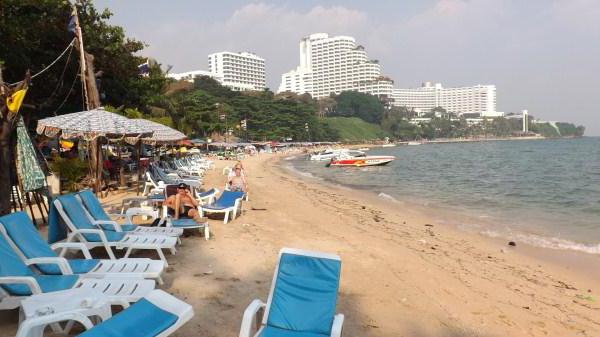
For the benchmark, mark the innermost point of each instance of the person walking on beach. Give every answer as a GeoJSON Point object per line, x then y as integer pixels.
{"type": "Point", "coordinates": [237, 181]}
{"type": "Point", "coordinates": [183, 204]}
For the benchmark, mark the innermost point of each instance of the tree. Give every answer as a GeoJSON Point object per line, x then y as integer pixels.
{"type": "Point", "coordinates": [8, 141]}
{"type": "Point", "coordinates": [356, 104]}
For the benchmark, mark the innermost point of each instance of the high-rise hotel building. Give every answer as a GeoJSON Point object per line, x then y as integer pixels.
{"type": "Point", "coordinates": [239, 71]}
{"type": "Point", "coordinates": [332, 65]}
{"type": "Point", "coordinates": [479, 99]}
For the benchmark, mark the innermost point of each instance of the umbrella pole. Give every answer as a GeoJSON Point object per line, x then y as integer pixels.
{"type": "Point", "coordinates": [139, 166]}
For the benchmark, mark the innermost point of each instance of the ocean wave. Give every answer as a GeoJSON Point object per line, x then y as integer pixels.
{"type": "Point", "coordinates": [546, 242]}
{"type": "Point", "coordinates": [386, 197]}
{"type": "Point", "coordinates": [302, 173]}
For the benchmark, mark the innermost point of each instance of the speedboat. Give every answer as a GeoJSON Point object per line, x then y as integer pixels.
{"type": "Point", "coordinates": [414, 143]}
{"type": "Point", "coordinates": [361, 161]}
{"type": "Point", "coordinates": [331, 153]}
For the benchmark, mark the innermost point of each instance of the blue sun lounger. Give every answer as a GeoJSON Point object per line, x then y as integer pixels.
{"type": "Point", "coordinates": [302, 299]}
{"type": "Point", "coordinates": [82, 229]}
{"type": "Point", "coordinates": [21, 235]}
{"type": "Point", "coordinates": [18, 281]}
{"type": "Point", "coordinates": [98, 216]}
{"type": "Point", "coordinates": [158, 314]}
{"type": "Point", "coordinates": [228, 202]}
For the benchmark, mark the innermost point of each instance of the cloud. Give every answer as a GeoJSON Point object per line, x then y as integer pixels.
{"type": "Point", "coordinates": [541, 54]}
{"type": "Point", "coordinates": [271, 31]}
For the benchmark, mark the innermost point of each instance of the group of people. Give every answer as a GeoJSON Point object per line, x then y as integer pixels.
{"type": "Point", "coordinates": [184, 204]}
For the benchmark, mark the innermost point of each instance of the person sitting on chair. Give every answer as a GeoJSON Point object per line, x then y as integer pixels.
{"type": "Point", "coordinates": [183, 204]}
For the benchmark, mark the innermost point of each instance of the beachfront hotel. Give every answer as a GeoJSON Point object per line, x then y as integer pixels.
{"type": "Point", "coordinates": [478, 99]}
{"type": "Point", "coordinates": [238, 71]}
{"type": "Point", "coordinates": [332, 65]}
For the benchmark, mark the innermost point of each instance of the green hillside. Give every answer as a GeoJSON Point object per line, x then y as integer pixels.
{"type": "Point", "coordinates": [353, 129]}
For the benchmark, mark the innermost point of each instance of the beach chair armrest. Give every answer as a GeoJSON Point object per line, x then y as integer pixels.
{"type": "Point", "coordinates": [29, 281]}
{"type": "Point", "coordinates": [65, 246]}
{"type": "Point", "coordinates": [252, 318]}
{"type": "Point", "coordinates": [102, 236]}
{"type": "Point", "coordinates": [337, 326]}
{"type": "Point", "coordinates": [61, 262]}
{"type": "Point", "coordinates": [109, 223]}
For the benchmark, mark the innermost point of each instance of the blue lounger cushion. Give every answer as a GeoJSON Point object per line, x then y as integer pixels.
{"type": "Point", "coordinates": [11, 265]}
{"type": "Point", "coordinates": [305, 294]}
{"type": "Point", "coordinates": [143, 319]}
{"type": "Point", "coordinates": [185, 222]}
{"type": "Point", "coordinates": [226, 200]}
{"type": "Point", "coordinates": [270, 331]}
{"type": "Point", "coordinates": [93, 205]}
{"type": "Point", "coordinates": [22, 232]}
{"type": "Point", "coordinates": [76, 213]}
{"type": "Point", "coordinates": [95, 208]}
{"type": "Point", "coordinates": [207, 193]}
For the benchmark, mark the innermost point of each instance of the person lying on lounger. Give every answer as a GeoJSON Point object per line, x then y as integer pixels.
{"type": "Point", "coordinates": [183, 204]}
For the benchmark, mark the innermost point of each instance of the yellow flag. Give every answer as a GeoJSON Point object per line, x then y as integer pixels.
{"type": "Point", "coordinates": [15, 100]}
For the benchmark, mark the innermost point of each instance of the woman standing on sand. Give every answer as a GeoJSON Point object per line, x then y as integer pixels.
{"type": "Point", "coordinates": [237, 181]}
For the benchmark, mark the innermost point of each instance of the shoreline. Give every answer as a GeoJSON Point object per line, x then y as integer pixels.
{"type": "Point", "coordinates": [403, 274]}
{"type": "Point", "coordinates": [455, 220]}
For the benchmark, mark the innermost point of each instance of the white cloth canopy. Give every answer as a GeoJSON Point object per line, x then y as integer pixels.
{"type": "Point", "coordinates": [91, 124]}
{"type": "Point", "coordinates": [161, 134]}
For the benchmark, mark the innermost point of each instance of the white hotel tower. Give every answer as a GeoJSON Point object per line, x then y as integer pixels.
{"type": "Point", "coordinates": [332, 65]}
{"type": "Point", "coordinates": [479, 99]}
{"type": "Point", "coordinates": [239, 71]}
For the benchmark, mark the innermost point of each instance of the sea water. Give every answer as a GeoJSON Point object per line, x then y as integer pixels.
{"type": "Point", "coordinates": [541, 192]}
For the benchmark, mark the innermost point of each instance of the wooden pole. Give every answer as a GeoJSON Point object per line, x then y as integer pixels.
{"type": "Point", "coordinates": [139, 166]}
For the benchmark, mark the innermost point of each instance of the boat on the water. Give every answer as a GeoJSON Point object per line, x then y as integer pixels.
{"type": "Point", "coordinates": [361, 161]}
{"type": "Point", "coordinates": [414, 143]}
{"type": "Point", "coordinates": [334, 153]}
{"type": "Point", "coordinates": [388, 145]}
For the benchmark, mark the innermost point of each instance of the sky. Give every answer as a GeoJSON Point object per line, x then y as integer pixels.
{"type": "Point", "coordinates": [542, 55]}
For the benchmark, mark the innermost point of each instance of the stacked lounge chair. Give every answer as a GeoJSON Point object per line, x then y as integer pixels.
{"type": "Point", "coordinates": [82, 229]}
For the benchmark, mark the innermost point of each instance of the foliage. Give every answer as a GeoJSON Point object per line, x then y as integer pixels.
{"type": "Point", "coordinates": [570, 130]}
{"type": "Point", "coordinates": [353, 129]}
{"type": "Point", "coordinates": [71, 171]}
{"type": "Point", "coordinates": [355, 104]}
{"type": "Point", "coordinates": [34, 33]}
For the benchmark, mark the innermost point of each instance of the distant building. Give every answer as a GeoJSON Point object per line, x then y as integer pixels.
{"type": "Point", "coordinates": [332, 65]}
{"type": "Point", "coordinates": [191, 75]}
{"type": "Point", "coordinates": [478, 99]}
{"type": "Point", "coordinates": [239, 71]}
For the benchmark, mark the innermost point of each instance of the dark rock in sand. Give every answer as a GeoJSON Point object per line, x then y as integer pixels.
{"type": "Point", "coordinates": [512, 243]}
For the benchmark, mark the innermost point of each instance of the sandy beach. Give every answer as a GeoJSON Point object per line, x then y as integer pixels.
{"type": "Point", "coordinates": [402, 273]}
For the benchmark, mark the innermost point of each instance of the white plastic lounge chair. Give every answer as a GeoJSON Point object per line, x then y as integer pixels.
{"type": "Point", "coordinates": [207, 197]}
{"type": "Point", "coordinates": [21, 235]}
{"type": "Point", "coordinates": [18, 281]}
{"type": "Point", "coordinates": [302, 299]}
{"type": "Point", "coordinates": [83, 230]}
{"type": "Point", "coordinates": [228, 203]}
{"type": "Point", "coordinates": [156, 315]}
{"type": "Point", "coordinates": [96, 214]}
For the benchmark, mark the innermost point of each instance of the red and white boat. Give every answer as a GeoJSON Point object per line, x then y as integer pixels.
{"type": "Point", "coordinates": [361, 161]}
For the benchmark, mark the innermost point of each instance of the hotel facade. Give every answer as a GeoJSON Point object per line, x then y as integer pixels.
{"type": "Point", "coordinates": [238, 71]}
{"type": "Point", "coordinates": [332, 65]}
{"type": "Point", "coordinates": [478, 99]}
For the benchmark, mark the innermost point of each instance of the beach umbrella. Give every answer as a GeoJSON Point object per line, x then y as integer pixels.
{"type": "Point", "coordinates": [90, 125]}
{"type": "Point", "coordinates": [161, 134]}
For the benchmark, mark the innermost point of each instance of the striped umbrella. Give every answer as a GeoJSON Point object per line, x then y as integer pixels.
{"type": "Point", "coordinates": [91, 124]}
{"type": "Point", "coordinates": [161, 134]}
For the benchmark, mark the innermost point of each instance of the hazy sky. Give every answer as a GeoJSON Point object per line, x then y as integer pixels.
{"type": "Point", "coordinates": [542, 55]}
